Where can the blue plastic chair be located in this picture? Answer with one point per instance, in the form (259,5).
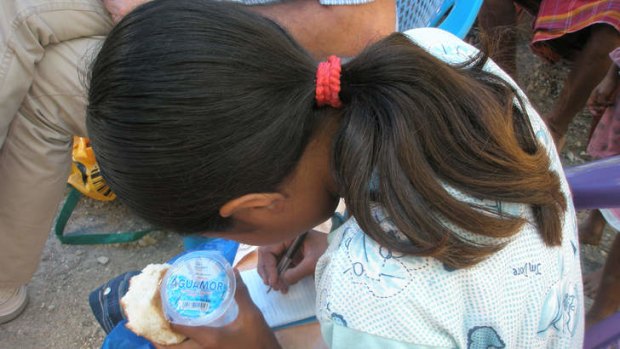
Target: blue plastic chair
(455,16)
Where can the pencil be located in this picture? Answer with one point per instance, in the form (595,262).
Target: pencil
(286,260)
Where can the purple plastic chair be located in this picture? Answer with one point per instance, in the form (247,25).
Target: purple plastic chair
(595,184)
(605,334)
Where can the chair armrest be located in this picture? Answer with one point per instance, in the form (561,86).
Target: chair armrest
(461,16)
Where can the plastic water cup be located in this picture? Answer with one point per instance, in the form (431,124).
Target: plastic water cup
(199,290)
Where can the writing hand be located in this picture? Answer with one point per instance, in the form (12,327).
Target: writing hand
(303,265)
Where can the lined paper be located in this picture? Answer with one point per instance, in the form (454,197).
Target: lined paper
(282,310)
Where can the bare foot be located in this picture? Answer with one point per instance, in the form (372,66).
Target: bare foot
(591,283)
(591,230)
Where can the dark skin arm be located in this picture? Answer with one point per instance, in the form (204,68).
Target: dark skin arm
(343,30)
(604,94)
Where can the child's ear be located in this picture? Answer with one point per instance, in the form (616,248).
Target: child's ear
(271,201)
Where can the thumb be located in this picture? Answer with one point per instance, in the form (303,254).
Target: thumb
(242,295)
(199,337)
(304,268)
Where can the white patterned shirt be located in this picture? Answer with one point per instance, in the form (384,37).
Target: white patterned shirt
(527,295)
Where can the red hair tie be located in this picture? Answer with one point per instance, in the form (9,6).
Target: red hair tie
(328,83)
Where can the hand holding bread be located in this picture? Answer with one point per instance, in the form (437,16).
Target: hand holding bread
(143,308)
(142,305)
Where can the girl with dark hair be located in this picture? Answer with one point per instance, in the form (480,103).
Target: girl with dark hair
(208,118)
(45,46)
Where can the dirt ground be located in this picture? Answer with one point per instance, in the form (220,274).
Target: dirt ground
(58,315)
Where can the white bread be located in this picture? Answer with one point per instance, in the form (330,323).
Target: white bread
(142,305)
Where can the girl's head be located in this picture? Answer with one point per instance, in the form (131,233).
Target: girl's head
(203,118)
(195,103)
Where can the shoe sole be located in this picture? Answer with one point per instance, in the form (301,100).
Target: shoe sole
(17,308)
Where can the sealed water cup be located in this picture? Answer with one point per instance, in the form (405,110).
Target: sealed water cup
(199,290)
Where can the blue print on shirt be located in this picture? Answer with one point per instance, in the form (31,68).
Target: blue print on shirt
(542,136)
(484,337)
(448,268)
(453,54)
(560,311)
(378,268)
(375,267)
(339,319)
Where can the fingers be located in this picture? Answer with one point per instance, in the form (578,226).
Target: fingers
(597,111)
(268,261)
(601,96)
(314,246)
(268,269)
(591,101)
(208,337)
(304,268)
(242,295)
(597,104)
(248,330)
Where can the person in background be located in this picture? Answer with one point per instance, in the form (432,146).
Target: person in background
(581,31)
(461,231)
(603,285)
(45,49)
(348,26)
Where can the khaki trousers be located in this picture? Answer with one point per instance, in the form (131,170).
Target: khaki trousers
(45,50)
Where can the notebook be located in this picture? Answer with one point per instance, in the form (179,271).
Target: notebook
(282,310)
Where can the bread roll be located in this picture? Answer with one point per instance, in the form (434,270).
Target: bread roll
(142,305)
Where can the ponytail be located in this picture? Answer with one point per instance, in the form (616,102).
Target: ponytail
(416,126)
(195,103)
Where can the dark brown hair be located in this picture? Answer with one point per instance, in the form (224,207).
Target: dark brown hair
(194,103)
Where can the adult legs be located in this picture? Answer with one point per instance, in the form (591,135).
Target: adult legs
(35,159)
(591,230)
(588,70)
(42,103)
(607,298)
(497,19)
